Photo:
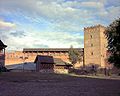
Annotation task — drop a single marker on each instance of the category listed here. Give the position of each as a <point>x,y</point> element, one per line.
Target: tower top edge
<point>95,26</point>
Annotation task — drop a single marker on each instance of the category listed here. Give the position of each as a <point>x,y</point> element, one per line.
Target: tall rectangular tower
<point>95,46</point>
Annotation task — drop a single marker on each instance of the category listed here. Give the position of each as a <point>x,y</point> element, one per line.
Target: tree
<point>113,36</point>
<point>74,55</point>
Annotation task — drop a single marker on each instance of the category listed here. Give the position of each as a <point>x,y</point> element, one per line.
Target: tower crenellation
<point>94,27</point>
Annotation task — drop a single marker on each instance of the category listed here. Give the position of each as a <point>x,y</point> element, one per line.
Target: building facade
<point>2,54</point>
<point>95,46</point>
<point>31,53</point>
<point>51,65</point>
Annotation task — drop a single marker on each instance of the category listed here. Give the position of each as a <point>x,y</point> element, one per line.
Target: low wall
<point>64,71</point>
<point>61,71</point>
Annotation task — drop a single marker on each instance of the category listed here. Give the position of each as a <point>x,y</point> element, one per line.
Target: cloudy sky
<point>52,23</point>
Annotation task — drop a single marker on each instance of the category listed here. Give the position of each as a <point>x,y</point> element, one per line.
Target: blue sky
<point>52,23</point>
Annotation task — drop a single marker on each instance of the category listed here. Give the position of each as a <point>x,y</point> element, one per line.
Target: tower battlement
<point>94,27</point>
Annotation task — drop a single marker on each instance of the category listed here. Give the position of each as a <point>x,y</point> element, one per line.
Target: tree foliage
<point>113,37</point>
<point>74,56</point>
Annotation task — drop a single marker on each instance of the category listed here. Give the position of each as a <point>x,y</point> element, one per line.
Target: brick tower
<point>95,46</point>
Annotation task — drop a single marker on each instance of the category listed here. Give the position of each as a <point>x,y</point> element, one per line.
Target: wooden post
<point>83,59</point>
<point>4,57</point>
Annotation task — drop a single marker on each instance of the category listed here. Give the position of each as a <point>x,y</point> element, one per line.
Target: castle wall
<point>15,57</point>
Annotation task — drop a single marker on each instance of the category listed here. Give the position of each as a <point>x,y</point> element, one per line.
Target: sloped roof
<point>2,45</point>
<point>44,59</point>
<point>50,60</point>
<point>58,61</point>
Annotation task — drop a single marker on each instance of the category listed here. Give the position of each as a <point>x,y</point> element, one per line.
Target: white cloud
<point>114,12</point>
<point>92,4</point>
<point>66,26</point>
<point>58,39</point>
<point>113,2</point>
<point>64,18</point>
<point>46,39</point>
<point>6,25</point>
<point>58,10</point>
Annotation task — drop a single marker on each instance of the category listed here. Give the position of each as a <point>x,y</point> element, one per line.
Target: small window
<point>91,45</point>
<point>91,36</point>
<point>91,53</point>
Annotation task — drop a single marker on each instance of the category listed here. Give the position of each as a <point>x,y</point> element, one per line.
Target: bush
<point>79,71</point>
<point>3,69</point>
<point>118,74</point>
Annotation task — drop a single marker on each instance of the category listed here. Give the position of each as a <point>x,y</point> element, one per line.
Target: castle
<point>94,51</point>
<point>95,46</point>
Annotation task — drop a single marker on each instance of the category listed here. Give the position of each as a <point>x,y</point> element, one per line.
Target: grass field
<point>39,84</point>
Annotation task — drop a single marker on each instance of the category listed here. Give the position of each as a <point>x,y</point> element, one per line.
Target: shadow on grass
<point>21,77</point>
<point>35,77</point>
